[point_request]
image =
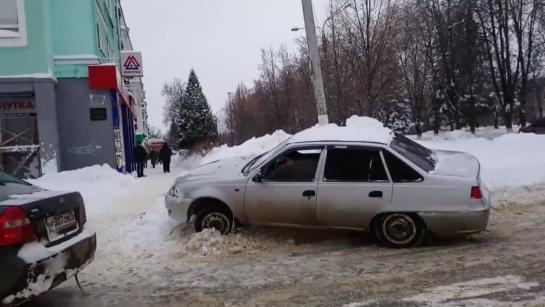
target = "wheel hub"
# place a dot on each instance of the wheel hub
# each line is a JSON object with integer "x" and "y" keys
{"x": 399, "y": 228}
{"x": 217, "y": 221}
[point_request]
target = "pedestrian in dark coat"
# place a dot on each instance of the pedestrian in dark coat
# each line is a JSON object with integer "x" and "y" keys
{"x": 164, "y": 155}
{"x": 153, "y": 157}
{"x": 140, "y": 156}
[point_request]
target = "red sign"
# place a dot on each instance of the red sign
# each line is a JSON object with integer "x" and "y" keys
{"x": 103, "y": 77}
{"x": 14, "y": 106}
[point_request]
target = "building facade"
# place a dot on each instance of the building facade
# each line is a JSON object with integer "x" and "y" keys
{"x": 63, "y": 103}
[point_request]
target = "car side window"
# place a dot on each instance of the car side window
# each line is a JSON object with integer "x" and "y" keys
{"x": 354, "y": 164}
{"x": 295, "y": 165}
{"x": 399, "y": 170}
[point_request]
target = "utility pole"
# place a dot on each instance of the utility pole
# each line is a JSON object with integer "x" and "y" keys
{"x": 315, "y": 68}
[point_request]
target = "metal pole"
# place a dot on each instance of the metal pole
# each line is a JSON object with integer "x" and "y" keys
{"x": 315, "y": 68}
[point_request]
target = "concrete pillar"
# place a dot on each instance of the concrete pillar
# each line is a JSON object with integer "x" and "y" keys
{"x": 48, "y": 133}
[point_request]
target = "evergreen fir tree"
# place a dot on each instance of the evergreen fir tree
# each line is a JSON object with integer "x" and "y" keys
{"x": 196, "y": 123}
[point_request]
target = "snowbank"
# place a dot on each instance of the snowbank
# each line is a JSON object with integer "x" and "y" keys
{"x": 98, "y": 184}
{"x": 356, "y": 129}
{"x": 508, "y": 160}
{"x": 512, "y": 165}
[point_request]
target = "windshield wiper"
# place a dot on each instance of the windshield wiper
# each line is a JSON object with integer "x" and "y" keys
{"x": 250, "y": 164}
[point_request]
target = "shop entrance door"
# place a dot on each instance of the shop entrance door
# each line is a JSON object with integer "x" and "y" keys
{"x": 19, "y": 143}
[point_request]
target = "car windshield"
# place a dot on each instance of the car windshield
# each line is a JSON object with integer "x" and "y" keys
{"x": 414, "y": 152}
{"x": 257, "y": 160}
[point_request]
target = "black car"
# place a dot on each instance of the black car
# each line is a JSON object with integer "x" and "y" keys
{"x": 537, "y": 127}
{"x": 43, "y": 241}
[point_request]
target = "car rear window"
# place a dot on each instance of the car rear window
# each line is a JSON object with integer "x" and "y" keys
{"x": 414, "y": 152}
{"x": 399, "y": 170}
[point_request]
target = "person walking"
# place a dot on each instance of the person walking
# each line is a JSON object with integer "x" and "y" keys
{"x": 153, "y": 157}
{"x": 164, "y": 155}
{"x": 141, "y": 156}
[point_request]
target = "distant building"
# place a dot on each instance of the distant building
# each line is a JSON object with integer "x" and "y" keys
{"x": 63, "y": 102}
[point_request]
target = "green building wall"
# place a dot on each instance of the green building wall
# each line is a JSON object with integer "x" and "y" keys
{"x": 64, "y": 29}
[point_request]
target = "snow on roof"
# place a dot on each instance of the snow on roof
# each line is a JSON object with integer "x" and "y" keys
{"x": 357, "y": 129}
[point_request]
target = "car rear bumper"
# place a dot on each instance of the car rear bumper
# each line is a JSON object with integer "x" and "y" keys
{"x": 25, "y": 279}
{"x": 443, "y": 224}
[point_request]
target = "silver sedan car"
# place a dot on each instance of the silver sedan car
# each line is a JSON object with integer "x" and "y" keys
{"x": 394, "y": 188}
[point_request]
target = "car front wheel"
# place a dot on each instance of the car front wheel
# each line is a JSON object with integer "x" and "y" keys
{"x": 214, "y": 218}
{"x": 399, "y": 230}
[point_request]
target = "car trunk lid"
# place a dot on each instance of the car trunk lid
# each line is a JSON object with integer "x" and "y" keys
{"x": 55, "y": 216}
{"x": 455, "y": 163}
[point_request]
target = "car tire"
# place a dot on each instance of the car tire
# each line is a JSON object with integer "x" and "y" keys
{"x": 399, "y": 230}
{"x": 214, "y": 217}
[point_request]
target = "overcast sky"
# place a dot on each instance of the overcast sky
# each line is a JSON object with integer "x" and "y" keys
{"x": 220, "y": 39}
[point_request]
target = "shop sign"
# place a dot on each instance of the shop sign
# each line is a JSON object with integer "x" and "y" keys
{"x": 17, "y": 106}
{"x": 131, "y": 64}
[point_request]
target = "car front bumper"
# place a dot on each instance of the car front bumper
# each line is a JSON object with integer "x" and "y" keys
{"x": 178, "y": 207}
{"x": 22, "y": 279}
{"x": 444, "y": 224}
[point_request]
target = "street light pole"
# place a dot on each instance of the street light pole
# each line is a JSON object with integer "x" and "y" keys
{"x": 315, "y": 68}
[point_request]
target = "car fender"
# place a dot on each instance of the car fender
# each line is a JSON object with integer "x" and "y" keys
{"x": 231, "y": 196}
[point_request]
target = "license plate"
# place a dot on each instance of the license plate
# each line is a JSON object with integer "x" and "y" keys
{"x": 61, "y": 225}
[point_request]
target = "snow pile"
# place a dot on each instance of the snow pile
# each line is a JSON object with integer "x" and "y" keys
{"x": 509, "y": 160}
{"x": 251, "y": 147}
{"x": 207, "y": 242}
{"x": 210, "y": 242}
{"x": 356, "y": 129}
{"x": 97, "y": 184}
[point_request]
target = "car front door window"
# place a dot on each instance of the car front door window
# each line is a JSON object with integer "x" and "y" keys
{"x": 296, "y": 165}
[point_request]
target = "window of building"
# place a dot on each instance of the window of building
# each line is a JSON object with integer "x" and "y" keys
{"x": 354, "y": 164}
{"x": 295, "y": 165}
{"x": 12, "y": 23}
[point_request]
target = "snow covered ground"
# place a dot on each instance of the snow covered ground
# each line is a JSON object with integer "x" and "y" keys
{"x": 141, "y": 249}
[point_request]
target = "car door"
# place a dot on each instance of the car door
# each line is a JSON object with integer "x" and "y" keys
{"x": 354, "y": 186}
{"x": 284, "y": 189}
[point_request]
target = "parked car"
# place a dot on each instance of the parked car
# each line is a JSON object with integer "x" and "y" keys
{"x": 43, "y": 240}
{"x": 392, "y": 187}
{"x": 537, "y": 127}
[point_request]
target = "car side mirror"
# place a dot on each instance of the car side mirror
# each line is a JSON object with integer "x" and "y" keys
{"x": 258, "y": 177}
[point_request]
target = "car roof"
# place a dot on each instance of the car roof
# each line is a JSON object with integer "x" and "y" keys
{"x": 334, "y": 133}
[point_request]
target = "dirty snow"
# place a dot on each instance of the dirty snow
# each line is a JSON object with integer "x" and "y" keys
{"x": 472, "y": 289}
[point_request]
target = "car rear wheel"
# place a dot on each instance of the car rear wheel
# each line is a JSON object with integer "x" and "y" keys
{"x": 214, "y": 218}
{"x": 399, "y": 230}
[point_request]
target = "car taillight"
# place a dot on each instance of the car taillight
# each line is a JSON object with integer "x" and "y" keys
{"x": 82, "y": 215}
{"x": 15, "y": 227}
{"x": 476, "y": 193}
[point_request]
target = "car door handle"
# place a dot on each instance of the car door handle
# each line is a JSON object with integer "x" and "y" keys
{"x": 377, "y": 194}
{"x": 309, "y": 193}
